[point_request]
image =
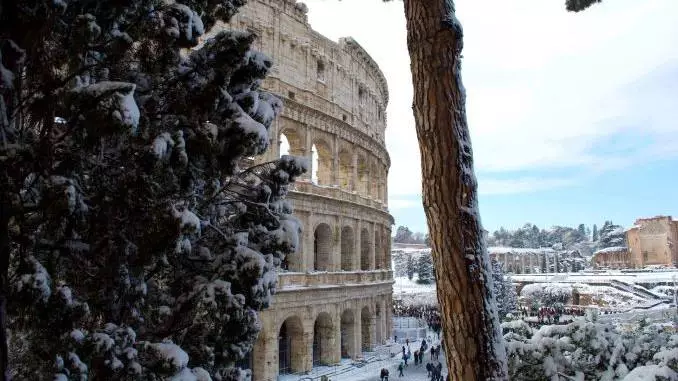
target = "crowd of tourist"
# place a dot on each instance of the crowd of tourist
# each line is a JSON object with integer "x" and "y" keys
{"x": 430, "y": 314}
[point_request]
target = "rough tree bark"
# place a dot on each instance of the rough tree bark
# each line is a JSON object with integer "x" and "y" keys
{"x": 473, "y": 342}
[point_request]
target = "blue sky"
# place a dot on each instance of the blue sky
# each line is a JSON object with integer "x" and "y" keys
{"x": 573, "y": 117}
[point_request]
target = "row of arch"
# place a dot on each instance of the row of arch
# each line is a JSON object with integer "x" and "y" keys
{"x": 299, "y": 346}
{"x": 341, "y": 167}
{"x": 534, "y": 263}
{"x": 323, "y": 248}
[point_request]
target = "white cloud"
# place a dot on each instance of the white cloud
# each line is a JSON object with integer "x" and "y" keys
{"x": 403, "y": 204}
{"x": 545, "y": 87}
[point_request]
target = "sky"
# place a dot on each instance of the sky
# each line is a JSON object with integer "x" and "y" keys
{"x": 573, "y": 116}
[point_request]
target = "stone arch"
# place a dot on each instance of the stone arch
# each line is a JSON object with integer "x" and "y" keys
{"x": 291, "y": 346}
{"x": 347, "y": 334}
{"x": 322, "y": 162}
{"x": 294, "y": 140}
{"x": 323, "y": 339}
{"x": 345, "y": 169}
{"x": 347, "y": 247}
{"x": 322, "y": 247}
{"x": 379, "y": 251}
{"x": 363, "y": 176}
{"x": 367, "y": 329}
{"x": 365, "y": 249}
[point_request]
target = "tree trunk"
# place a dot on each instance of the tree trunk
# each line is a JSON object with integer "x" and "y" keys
{"x": 4, "y": 286}
{"x": 472, "y": 335}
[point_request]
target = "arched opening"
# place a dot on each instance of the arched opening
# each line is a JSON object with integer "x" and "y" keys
{"x": 347, "y": 248}
{"x": 378, "y": 251}
{"x": 345, "y": 170}
{"x": 314, "y": 164}
{"x": 347, "y": 334}
{"x": 322, "y": 163}
{"x": 363, "y": 177}
{"x": 322, "y": 247}
{"x": 284, "y": 148}
{"x": 367, "y": 330}
{"x": 365, "y": 249}
{"x": 291, "y": 346}
{"x": 322, "y": 340}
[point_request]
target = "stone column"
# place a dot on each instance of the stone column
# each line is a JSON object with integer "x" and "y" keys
{"x": 336, "y": 335}
{"x": 353, "y": 182}
{"x": 335, "y": 264}
{"x": 308, "y": 351}
{"x": 309, "y": 240}
{"x": 357, "y": 335}
{"x": 357, "y": 246}
{"x": 308, "y": 148}
{"x": 335, "y": 161}
{"x": 265, "y": 361}
{"x": 373, "y": 256}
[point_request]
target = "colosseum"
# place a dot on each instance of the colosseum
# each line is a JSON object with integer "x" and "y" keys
{"x": 334, "y": 295}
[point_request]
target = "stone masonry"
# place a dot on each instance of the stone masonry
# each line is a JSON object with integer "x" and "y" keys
{"x": 334, "y": 296}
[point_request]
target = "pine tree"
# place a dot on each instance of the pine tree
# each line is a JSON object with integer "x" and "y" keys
{"x": 611, "y": 235}
{"x": 424, "y": 269}
{"x": 410, "y": 267}
{"x": 133, "y": 242}
{"x": 594, "y": 235}
{"x": 504, "y": 290}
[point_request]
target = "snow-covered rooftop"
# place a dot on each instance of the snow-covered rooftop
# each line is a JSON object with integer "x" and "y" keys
{"x": 613, "y": 249}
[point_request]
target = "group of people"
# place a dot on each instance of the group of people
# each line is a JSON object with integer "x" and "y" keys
{"x": 434, "y": 367}
{"x": 429, "y": 313}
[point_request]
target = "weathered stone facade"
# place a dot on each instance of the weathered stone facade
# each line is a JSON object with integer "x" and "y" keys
{"x": 653, "y": 241}
{"x": 334, "y": 299}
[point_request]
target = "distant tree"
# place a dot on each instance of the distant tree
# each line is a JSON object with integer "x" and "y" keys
{"x": 425, "y": 269}
{"x": 399, "y": 258}
{"x": 505, "y": 291}
{"x": 418, "y": 238}
{"x": 403, "y": 235}
{"x": 611, "y": 235}
{"x": 594, "y": 235}
{"x": 582, "y": 230}
{"x": 427, "y": 240}
{"x": 410, "y": 267}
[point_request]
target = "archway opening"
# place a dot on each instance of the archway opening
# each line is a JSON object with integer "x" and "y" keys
{"x": 314, "y": 164}
{"x": 365, "y": 249}
{"x": 322, "y": 247}
{"x": 322, "y": 340}
{"x": 291, "y": 346}
{"x": 347, "y": 334}
{"x": 284, "y": 145}
{"x": 367, "y": 330}
{"x": 322, "y": 163}
{"x": 347, "y": 246}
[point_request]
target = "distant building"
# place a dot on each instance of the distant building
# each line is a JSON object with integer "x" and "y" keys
{"x": 653, "y": 242}
{"x": 617, "y": 257}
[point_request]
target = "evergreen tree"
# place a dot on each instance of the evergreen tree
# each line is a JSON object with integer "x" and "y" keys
{"x": 611, "y": 235}
{"x": 134, "y": 244}
{"x": 410, "y": 267}
{"x": 594, "y": 235}
{"x": 504, "y": 290}
{"x": 582, "y": 230}
{"x": 425, "y": 269}
{"x": 403, "y": 235}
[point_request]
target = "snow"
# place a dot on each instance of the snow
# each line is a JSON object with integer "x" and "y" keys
{"x": 171, "y": 354}
{"x": 651, "y": 373}
{"x": 38, "y": 281}
{"x": 162, "y": 145}
{"x": 613, "y": 249}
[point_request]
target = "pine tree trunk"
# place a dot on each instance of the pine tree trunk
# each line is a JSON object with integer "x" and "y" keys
{"x": 472, "y": 336}
{"x": 4, "y": 268}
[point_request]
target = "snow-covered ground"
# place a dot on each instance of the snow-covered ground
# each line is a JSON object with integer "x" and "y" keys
{"x": 645, "y": 277}
{"x": 412, "y": 293}
{"x": 385, "y": 356}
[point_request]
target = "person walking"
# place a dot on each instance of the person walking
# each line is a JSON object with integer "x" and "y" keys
{"x": 400, "y": 370}
{"x": 384, "y": 374}
{"x": 416, "y": 357}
